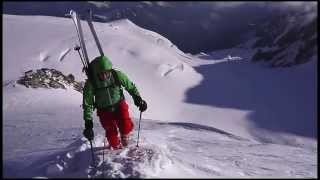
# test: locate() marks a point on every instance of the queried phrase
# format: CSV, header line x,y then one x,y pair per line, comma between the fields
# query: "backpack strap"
x,y
117,81
116,78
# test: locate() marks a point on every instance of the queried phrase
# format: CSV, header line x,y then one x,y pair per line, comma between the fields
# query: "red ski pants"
x,y
112,121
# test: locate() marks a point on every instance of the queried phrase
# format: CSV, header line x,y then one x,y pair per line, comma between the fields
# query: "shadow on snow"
x,y
281,101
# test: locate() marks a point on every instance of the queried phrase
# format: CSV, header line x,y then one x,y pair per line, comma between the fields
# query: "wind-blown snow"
x,y
212,135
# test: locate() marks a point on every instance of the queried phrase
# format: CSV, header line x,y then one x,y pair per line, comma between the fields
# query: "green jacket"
x,y
105,94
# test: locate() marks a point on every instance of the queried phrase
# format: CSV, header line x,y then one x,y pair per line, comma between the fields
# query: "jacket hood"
x,y
103,63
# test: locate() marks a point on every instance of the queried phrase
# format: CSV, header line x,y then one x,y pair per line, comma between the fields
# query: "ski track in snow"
x,y
217,155
193,150
222,155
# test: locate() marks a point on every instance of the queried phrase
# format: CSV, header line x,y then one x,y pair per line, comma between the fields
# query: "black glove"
x,y
88,131
137,100
143,106
88,124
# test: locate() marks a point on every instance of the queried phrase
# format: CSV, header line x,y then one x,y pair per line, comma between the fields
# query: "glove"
x,y
137,100
88,132
143,106
88,124
140,103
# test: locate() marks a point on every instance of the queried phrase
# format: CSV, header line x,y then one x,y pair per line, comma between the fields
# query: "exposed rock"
x,y
49,78
284,43
56,85
48,73
40,73
28,73
70,78
46,81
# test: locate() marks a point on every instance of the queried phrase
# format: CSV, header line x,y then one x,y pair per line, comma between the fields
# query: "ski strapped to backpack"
x,y
89,20
84,55
117,81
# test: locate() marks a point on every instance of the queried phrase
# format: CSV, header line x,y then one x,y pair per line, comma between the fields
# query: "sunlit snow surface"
x,y
42,128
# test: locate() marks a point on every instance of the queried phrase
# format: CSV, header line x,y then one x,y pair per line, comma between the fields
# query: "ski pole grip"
x,y
77,48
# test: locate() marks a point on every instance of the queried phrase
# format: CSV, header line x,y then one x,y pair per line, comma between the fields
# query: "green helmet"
x,y
101,63
97,65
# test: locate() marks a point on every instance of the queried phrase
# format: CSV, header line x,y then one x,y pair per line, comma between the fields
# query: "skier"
x,y
103,90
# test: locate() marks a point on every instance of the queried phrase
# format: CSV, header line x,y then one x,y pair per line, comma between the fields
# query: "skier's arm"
x,y
133,91
127,84
87,103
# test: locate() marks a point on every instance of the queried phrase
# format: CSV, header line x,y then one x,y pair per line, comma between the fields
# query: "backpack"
x,y
117,81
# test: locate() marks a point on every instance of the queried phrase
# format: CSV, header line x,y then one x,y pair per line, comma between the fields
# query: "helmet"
x,y
102,63
97,66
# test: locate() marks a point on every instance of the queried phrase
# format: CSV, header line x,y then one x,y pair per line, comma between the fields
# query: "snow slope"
x,y
190,120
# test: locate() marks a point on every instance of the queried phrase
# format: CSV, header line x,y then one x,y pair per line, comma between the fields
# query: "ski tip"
x,y
67,15
72,12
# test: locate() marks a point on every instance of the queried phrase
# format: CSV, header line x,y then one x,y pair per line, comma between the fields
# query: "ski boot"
x,y
125,140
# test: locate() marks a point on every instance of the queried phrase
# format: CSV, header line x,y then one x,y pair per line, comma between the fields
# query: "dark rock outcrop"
x,y
49,78
286,40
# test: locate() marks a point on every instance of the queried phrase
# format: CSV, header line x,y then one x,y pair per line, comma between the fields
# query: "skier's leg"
x,y
108,122
125,123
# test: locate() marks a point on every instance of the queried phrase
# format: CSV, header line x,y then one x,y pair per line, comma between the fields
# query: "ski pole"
x,y
92,152
104,146
139,129
77,48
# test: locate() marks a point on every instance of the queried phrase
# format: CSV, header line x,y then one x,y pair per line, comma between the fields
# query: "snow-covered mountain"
x,y
203,23
210,115
287,38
